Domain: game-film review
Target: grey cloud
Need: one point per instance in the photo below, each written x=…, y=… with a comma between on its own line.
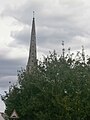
x=10, y=66
x=6, y=81
x=62, y=23
x=8, y=70
x=21, y=37
x=23, y=13
x=47, y=34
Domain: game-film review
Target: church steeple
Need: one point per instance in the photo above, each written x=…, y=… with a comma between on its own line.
x=32, y=52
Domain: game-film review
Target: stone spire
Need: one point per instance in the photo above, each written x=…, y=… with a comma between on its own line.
x=32, y=52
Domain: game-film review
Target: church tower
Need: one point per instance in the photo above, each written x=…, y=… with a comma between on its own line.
x=32, y=60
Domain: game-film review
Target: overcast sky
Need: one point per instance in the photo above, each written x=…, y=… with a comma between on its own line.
x=56, y=21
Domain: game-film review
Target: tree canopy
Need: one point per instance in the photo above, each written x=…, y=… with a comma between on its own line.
x=56, y=89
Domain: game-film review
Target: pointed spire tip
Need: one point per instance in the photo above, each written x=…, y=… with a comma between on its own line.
x=33, y=14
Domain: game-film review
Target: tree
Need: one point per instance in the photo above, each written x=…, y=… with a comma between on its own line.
x=57, y=89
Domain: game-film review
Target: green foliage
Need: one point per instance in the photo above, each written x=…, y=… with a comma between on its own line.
x=57, y=89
